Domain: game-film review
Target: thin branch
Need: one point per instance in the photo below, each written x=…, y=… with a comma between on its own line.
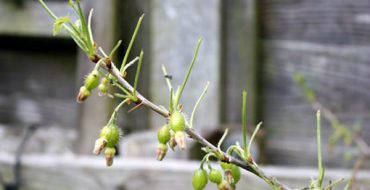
x=249, y=166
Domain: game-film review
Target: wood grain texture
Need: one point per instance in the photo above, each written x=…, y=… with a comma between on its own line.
x=94, y=113
x=327, y=42
x=37, y=88
x=238, y=63
x=339, y=76
x=130, y=11
x=320, y=21
x=175, y=29
x=31, y=19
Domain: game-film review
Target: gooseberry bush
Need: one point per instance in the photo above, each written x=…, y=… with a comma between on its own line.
x=107, y=77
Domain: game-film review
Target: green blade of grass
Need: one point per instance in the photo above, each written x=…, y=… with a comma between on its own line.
x=124, y=61
x=244, y=118
x=179, y=94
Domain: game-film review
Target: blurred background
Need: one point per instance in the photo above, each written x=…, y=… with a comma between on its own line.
x=260, y=46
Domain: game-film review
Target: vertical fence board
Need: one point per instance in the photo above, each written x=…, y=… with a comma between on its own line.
x=327, y=42
x=175, y=28
x=238, y=69
x=95, y=111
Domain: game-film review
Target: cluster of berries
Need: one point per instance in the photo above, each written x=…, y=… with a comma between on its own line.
x=172, y=134
x=227, y=182
x=91, y=82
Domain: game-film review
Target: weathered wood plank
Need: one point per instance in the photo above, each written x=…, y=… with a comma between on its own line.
x=31, y=19
x=27, y=93
x=339, y=75
x=75, y=173
x=319, y=21
x=238, y=63
x=175, y=28
x=132, y=10
x=95, y=112
x=327, y=42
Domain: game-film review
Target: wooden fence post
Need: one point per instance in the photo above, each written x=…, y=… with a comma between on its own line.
x=95, y=111
x=175, y=29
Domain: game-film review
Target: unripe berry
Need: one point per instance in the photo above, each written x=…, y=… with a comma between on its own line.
x=111, y=133
x=103, y=88
x=105, y=81
x=92, y=80
x=199, y=179
x=164, y=134
x=215, y=176
x=83, y=94
x=180, y=139
x=109, y=155
x=161, y=151
x=235, y=171
x=225, y=166
x=177, y=121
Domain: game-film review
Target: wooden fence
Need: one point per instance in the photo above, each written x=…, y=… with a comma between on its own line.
x=247, y=44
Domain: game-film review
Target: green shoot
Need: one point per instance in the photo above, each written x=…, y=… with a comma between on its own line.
x=89, y=30
x=168, y=80
x=124, y=61
x=121, y=88
x=138, y=73
x=131, y=63
x=171, y=101
x=252, y=138
x=197, y=103
x=83, y=22
x=244, y=122
x=115, y=48
x=113, y=117
x=178, y=95
x=222, y=139
x=319, y=158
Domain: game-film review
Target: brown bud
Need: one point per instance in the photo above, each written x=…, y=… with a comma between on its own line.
x=229, y=176
x=100, y=144
x=109, y=155
x=83, y=94
x=224, y=185
x=172, y=143
x=180, y=139
x=161, y=151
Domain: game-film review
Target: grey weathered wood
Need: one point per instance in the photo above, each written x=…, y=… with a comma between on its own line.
x=132, y=10
x=319, y=21
x=339, y=75
x=95, y=111
x=327, y=42
x=30, y=20
x=74, y=173
x=175, y=29
x=27, y=93
x=239, y=63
